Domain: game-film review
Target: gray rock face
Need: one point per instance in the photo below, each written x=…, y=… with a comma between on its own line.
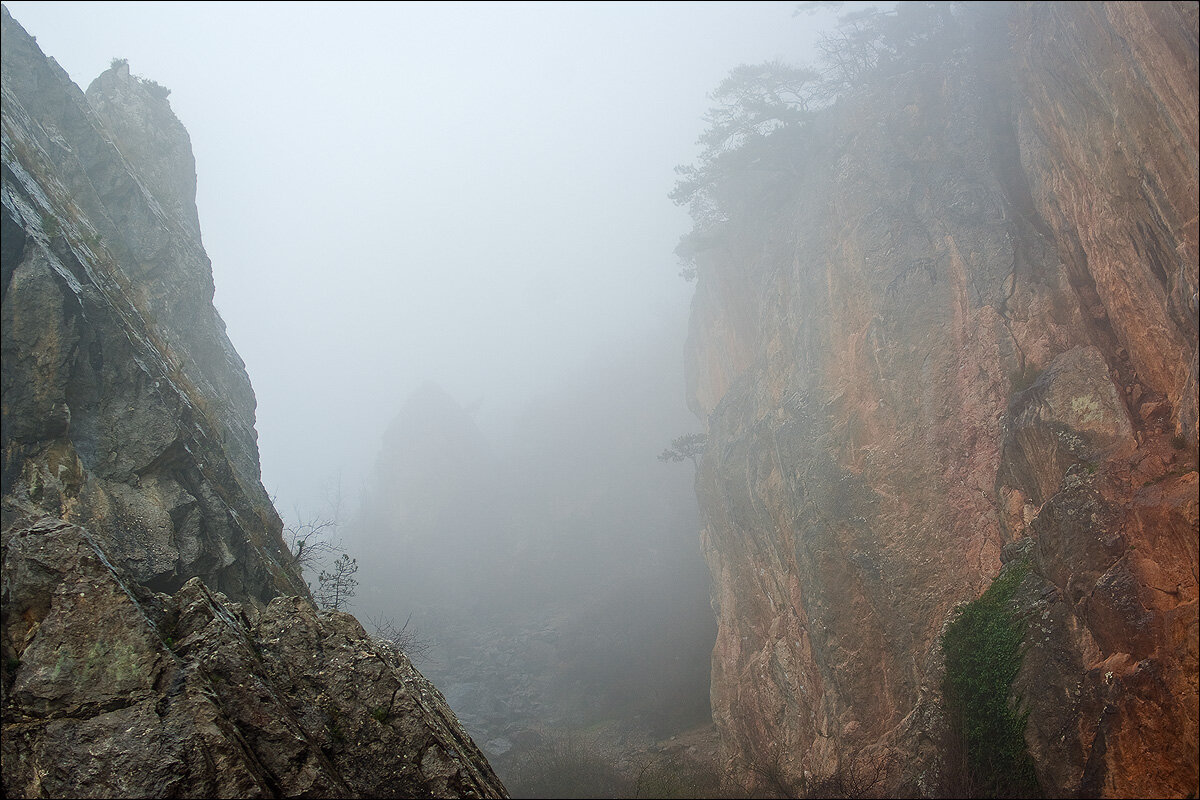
x=126, y=409
x=157, y=637
x=121, y=692
x=152, y=139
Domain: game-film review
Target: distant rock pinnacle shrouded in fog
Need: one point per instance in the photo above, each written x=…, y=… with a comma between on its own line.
x=438, y=469
x=557, y=571
x=157, y=637
x=944, y=331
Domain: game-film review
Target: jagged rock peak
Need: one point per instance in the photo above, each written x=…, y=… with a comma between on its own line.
x=138, y=115
x=147, y=414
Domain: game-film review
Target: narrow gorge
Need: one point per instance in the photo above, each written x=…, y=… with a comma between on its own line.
x=939, y=392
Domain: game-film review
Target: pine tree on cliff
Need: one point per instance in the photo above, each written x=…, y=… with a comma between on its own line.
x=753, y=104
x=755, y=134
x=690, y=446
x=335, y=588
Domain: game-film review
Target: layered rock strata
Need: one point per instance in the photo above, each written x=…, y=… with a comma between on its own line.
x=966, y=331
x=157, y=638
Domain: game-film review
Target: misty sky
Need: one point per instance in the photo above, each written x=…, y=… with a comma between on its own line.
x=395, y=193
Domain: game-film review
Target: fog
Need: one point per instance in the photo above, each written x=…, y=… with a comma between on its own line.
x=442, y=242
x=469, y=194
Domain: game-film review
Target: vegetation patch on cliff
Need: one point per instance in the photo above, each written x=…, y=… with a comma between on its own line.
x=983, y=655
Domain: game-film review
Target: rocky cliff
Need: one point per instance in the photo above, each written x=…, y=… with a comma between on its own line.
x=964, y=334
x=157, y=637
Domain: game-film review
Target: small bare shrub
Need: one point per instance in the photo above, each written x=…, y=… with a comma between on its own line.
x=405, y=638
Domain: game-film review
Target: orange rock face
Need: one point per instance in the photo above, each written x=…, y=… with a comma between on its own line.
x=968, y=329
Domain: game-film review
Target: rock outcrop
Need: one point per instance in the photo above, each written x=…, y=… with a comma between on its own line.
x=158, y=639
x=194, y=695
x=965, y=333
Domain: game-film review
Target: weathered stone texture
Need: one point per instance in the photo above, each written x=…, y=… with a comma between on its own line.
x=157, y=638
x=1109, y=140
x=126, y=408
x=119, y=692
x=971, y=321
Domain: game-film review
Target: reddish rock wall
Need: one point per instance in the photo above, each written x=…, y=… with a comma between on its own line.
x=972, y=322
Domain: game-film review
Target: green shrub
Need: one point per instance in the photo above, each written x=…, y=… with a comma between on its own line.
x=983, y=656
x=154, y=88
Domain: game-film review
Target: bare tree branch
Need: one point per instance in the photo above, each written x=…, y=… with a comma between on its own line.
x=405, y=638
